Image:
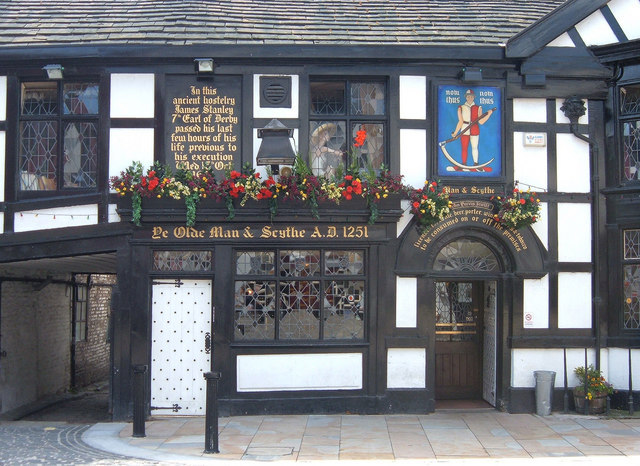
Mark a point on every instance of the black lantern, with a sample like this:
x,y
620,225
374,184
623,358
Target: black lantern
x,y
275,148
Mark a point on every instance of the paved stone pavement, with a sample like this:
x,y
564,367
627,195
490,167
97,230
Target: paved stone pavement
x,y
487,436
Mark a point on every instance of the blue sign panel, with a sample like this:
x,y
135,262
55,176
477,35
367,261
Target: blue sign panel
x,y
469,131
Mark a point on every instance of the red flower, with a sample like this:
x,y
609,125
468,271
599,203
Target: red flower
x,y
348,177
153,183
152,173
522,201
416,205
361,135
234,174
269,182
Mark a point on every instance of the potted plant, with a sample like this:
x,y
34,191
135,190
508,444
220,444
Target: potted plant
x,y
597,389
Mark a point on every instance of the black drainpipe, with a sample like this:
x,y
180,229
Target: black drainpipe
x,y
573,109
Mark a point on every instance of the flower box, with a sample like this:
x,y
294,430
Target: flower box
x,y
597,404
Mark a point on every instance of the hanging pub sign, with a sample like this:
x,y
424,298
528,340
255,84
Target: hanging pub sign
x,y
469,131
202,123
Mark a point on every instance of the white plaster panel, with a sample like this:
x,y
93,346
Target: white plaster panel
x,y
3,152
574,300
62,217
627,13
595,30
406,367
406,302
541,227
530,110
113,216
405,218
524,361
413,97
3,98
260,112
574,232
536,303
561,118
287,372
618,367
132,95
413,156
263,169
127,145
562,40
529,164
1,222
573,165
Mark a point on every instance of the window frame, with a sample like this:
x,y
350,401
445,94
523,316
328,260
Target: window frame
x,y
348,117
62,120
322,277
624,118
624,263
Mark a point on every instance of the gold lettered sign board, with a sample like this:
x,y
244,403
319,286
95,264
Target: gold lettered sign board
x,y
471,212
202,123
252,232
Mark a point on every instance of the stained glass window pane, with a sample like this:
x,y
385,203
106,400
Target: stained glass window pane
x,y
182,261
299,310
327,98
80,155
632,244
38,155
80,99
40,98
465,255
344,309
630,99
367,99
631,150
455,319
371,152
255,263
631,297
255,304
299,263
327,146
344,262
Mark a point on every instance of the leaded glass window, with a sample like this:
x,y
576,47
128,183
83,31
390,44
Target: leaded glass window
x,y
466,256
182,261
630,123
631,280
303,300
340,111
58,130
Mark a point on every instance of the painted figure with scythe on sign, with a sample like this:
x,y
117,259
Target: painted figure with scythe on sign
x,y
470,118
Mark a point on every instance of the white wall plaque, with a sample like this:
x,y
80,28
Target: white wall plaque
x,y
535,139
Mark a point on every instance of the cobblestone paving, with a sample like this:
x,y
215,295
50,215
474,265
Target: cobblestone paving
x,y
47,443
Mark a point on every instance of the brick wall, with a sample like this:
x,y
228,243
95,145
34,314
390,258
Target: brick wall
x,y
92,355
36,335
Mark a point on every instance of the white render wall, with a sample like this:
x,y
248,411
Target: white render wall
x,y
413,142
3,142
60,217
574,300
268,112
406,302
536,303
286,372
406,367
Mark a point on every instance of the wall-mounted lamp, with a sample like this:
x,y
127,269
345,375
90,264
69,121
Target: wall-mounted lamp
x,y
470,74
204,65
53,71
275,148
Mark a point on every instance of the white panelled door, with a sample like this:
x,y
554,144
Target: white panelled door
x,y
180,345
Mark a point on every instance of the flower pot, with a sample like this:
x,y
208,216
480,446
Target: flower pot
x,y
597,405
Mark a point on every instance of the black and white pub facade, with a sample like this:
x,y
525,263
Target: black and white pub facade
x,y
341,206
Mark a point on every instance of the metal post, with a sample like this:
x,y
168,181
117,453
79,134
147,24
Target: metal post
x,y
211,420
565,397
630,401
139,378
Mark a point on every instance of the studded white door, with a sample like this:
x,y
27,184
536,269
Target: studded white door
x,y
180,345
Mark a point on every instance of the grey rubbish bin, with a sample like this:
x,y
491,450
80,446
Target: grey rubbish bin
x,y
545,380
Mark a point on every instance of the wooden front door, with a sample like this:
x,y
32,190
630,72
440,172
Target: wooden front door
x,y
458,345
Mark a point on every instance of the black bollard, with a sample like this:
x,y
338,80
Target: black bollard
x,y
211,420
139,377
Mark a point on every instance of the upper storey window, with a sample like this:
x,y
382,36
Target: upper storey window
x,y
58,136
339,113
630,119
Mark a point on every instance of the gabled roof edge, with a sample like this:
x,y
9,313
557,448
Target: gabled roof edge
x,y
533,39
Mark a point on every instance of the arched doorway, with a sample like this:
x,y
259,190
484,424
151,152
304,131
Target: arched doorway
x,y
465,321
